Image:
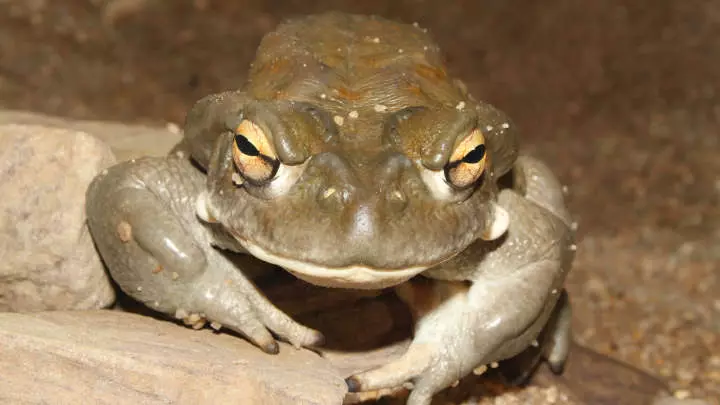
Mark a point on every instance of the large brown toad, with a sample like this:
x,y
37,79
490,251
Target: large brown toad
x,y
352,160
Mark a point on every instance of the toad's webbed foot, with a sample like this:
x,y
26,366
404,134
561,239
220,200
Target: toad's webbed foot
x,y
142,217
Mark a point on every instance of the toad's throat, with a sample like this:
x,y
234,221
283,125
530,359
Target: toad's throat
x,y
356,277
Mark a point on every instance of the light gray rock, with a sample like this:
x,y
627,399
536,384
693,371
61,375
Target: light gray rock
x,y
126,141
47,258
111,357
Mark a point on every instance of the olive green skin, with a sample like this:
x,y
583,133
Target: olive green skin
x,y
361,114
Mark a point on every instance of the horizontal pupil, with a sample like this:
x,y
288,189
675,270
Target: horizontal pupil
x,y
245,146
475,155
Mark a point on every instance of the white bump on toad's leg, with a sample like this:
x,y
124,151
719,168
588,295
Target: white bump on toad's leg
x,y
499,224
180,313
480,370
124,231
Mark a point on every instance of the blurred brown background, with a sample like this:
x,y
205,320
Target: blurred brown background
x,y
621,97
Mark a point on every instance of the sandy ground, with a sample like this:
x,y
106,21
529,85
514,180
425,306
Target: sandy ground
x,y
621,97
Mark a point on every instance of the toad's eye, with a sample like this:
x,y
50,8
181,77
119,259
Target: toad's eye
x,y
253,155
467,162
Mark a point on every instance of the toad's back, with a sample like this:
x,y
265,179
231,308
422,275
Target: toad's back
x,y
350,62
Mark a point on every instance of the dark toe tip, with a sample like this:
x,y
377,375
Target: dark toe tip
x,y
353,384
319,340
272,348
557,367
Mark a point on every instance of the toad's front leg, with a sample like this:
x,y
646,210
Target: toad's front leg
x,y
142,217
514,285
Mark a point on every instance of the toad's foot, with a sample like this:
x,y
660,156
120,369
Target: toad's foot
x,y
226,297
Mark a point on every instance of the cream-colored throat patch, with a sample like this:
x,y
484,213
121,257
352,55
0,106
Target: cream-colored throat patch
x,y
355,277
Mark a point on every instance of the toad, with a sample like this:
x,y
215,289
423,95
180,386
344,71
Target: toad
x,y
351,159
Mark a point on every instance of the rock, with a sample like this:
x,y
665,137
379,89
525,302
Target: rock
x,y
113,357
48,258
46,163
126,141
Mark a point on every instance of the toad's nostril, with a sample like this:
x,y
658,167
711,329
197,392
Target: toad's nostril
x,y
333,198
396,200
397,195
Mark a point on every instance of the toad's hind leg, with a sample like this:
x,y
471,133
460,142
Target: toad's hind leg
x,y
553,347
557,347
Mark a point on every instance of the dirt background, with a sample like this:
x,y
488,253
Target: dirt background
x,y
621,97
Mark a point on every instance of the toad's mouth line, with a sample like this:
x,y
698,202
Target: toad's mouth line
x,y
356,277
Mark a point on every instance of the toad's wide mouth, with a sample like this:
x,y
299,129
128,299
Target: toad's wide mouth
x,y
355,277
